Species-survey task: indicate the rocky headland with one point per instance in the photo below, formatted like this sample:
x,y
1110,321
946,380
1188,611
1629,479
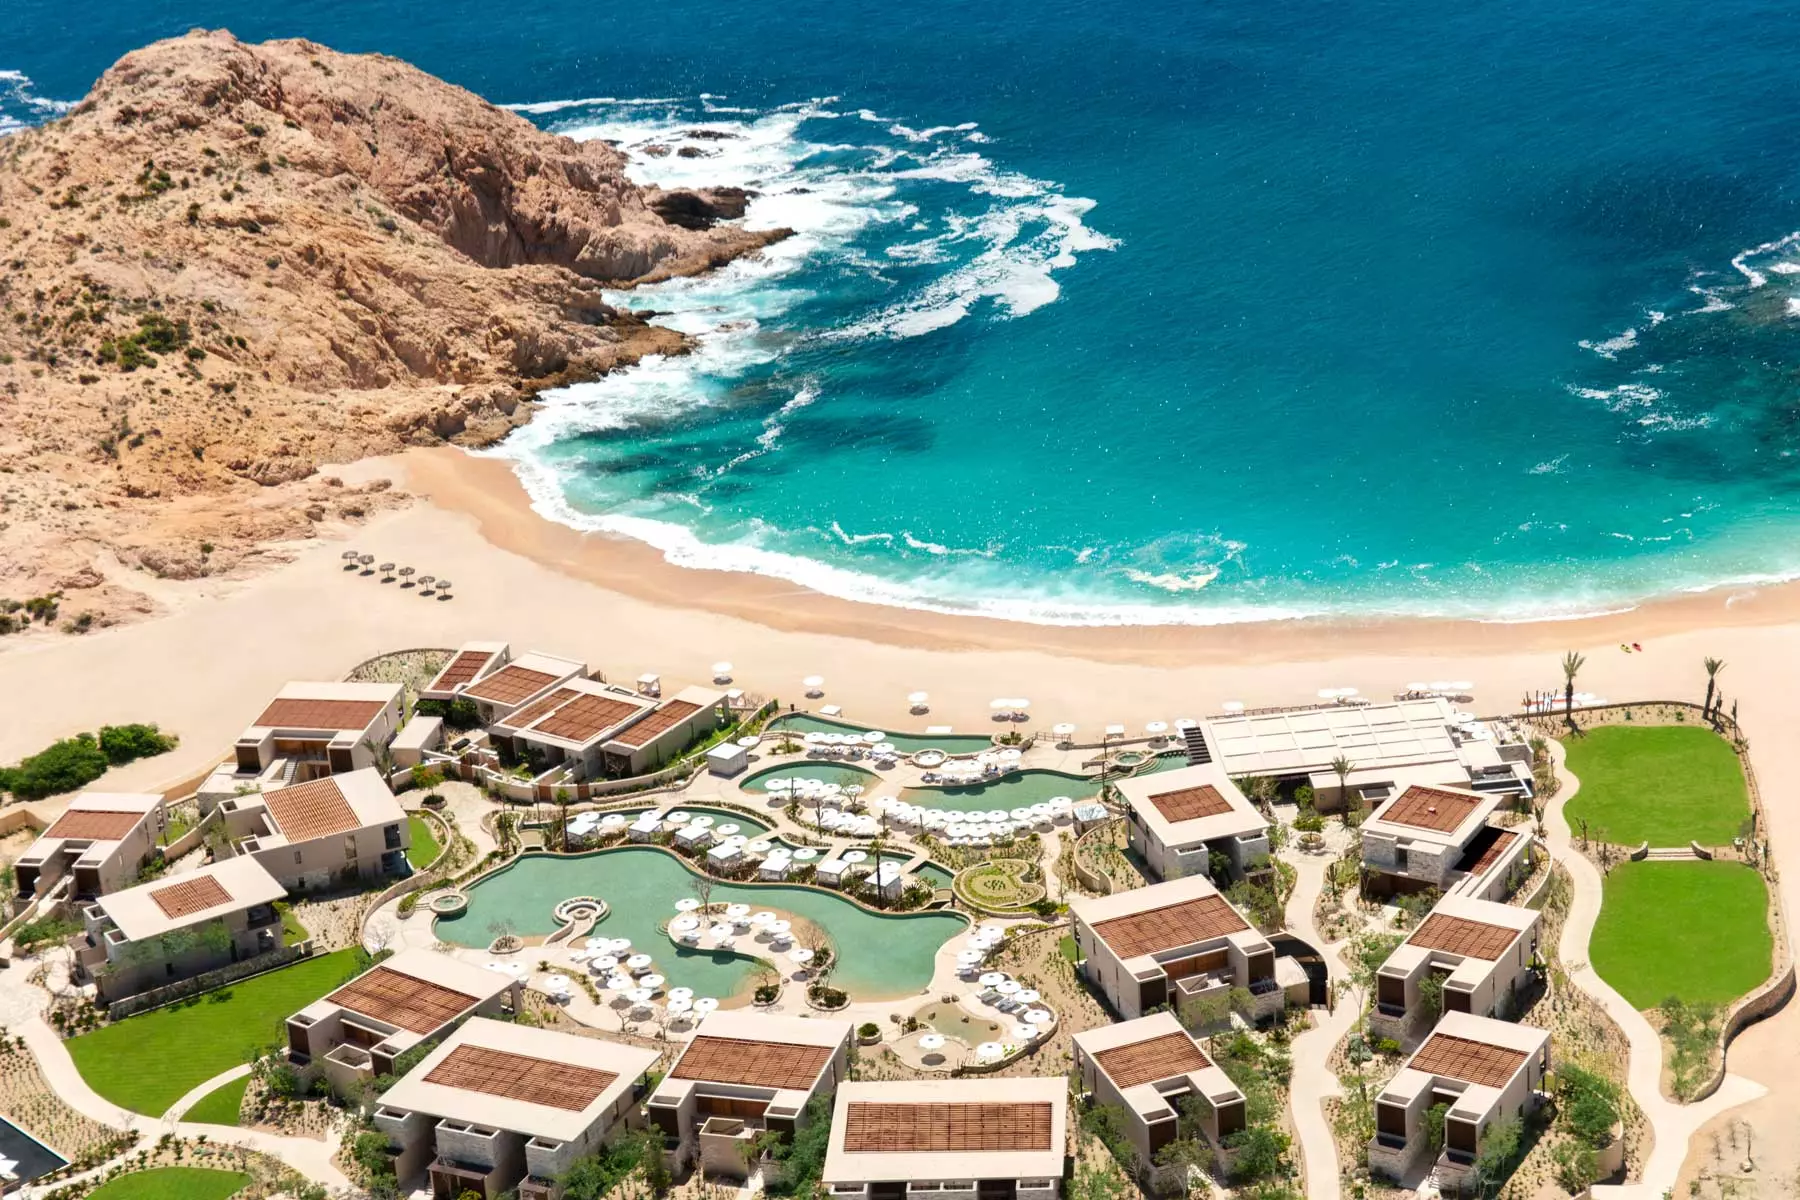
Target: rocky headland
x,y
231,263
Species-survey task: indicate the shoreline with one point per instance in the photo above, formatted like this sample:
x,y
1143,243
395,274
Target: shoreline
x,y
487,491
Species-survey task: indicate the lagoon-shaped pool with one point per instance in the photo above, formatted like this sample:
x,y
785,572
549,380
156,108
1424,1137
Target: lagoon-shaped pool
x,y
906,743
824,772
880,956
1017,790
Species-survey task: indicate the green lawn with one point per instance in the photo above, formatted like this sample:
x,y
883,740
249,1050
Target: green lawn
x,y
146,1063
1697,930
173,1183
1665,784
220,1106
424,849
292,931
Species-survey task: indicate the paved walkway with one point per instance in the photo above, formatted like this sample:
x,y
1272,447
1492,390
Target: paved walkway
x,y
1673,1125
1313,1081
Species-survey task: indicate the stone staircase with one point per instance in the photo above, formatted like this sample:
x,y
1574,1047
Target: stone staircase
x,y
1198,752
1671,854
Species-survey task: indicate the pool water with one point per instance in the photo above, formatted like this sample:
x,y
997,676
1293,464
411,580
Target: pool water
x,y
750,827
906,743
1017,790
951,1021
935,875
880,956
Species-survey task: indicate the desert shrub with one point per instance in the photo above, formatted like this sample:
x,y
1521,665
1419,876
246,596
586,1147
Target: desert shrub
x,y
123,743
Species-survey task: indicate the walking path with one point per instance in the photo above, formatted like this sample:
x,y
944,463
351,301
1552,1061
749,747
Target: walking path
x,y
1673,1125
1313,1081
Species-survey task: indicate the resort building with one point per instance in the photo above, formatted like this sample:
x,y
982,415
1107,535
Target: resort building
x,y
742,1074
1156,1072
1421,741
174,928
511,686
500,1107
961,1139
1172,943
601,731
417,996
1481,1070
472,661
313,835
1178,821
308,731
99,843
1438,837
1475,954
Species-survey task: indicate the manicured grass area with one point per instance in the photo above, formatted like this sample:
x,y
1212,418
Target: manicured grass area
x,y
146,1063
424,849
292,930
1665,784
173,1183
1695,930
221,1105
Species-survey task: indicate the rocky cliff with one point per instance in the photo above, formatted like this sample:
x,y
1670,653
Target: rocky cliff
x,y
231,263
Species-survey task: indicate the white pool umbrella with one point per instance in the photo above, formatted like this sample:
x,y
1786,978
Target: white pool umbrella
x,y
990,1050
687,924
686,904
1020,814
721,670
678,818
702,822
801,955
1009,988
726,830
651,982
679,1006
606,962
1028,996
638,962
1021,704
813,682
612,820
1039,1016
763,919
749,741
885,748
618,945
918,699
720,933
780,928
617,983
598,943
1000,704
779,785
639,995
855,856
1233,706
737,910
705,1004
806,855
1156,728
1026,1033
760,846
931,1041
1063,730
681,993
992,979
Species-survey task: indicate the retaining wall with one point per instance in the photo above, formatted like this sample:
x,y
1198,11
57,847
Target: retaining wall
x,y
157,997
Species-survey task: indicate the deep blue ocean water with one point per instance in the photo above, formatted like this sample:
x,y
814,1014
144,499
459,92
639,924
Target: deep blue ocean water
x,y
1165,312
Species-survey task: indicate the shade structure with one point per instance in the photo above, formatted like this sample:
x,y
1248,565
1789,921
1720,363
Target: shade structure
x,y
618,983
721,670
720,933
687,924
705,1004
686,904
855,856
1063,729
1113,731
918,699
779,785
1039,1016
780,928
726,830
618,945
763,920
760,846
969,957
801,954
598,943
1000,704
749,741
884,748
1156,728
990,1050
678,817
681,993
1028,996
679,1007
652,982
606,962
638,962
1021,704
1009,988
612,820
1328,693
805,855
931,1041
702,822
992,979
1026,1033
813,682
734,911
639,995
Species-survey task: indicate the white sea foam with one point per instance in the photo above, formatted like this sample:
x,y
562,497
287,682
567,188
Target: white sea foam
x,y
1741,261
1612,346
21,107
545,107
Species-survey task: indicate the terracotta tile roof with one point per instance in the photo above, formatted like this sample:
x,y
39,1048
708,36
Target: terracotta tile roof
x,y
1487,848
519,1077
509,685
752,1064
1155,1058
1431,808
1459,935
190,896
319,714
1170,926
461,669
1469,1061
658,723
1190,804
413,1004
585,716
311,810
92,823
928,1127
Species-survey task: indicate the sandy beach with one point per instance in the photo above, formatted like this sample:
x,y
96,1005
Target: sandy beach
x,y
206,665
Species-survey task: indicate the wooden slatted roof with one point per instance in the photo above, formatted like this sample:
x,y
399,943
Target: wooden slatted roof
x,y
521,1077
1470,1061
509,685
1459,935
1431,808
190,896
1172,925
311,810
935,1127
413,1004
319,714
92,823
752,1064
1190,804
1162,1057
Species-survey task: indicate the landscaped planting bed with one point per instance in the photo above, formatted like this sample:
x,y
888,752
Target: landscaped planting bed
x,y
173,1183
999,884
1663,784
1697,931
146,1063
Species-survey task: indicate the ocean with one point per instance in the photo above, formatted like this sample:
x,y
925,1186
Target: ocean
x,y
1108,313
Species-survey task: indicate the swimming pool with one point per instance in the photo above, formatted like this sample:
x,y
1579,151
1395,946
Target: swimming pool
x,y
880,956
1017,790
936,876
906,743
824,772
750,827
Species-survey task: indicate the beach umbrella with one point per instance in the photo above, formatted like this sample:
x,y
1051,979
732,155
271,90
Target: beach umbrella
x,y
702,822
1020,814
597,943
407,573
760,847
681,993
855,856
805,855
749,741
1113,731
813,683
801,955
722,672
814,738
679,1007
651,982
1022,704
1026,1033
1039,1016
969,958
425,581
637,962
720,933
678,817
1063,730
780,928
885,748
1463,685
779,785
352,556
443,585
931,1041
687,924
686,904
365,559
992,979
1000,704
726,830
605,962
618,945
1028,996
1010,987
990,1050
918,699
1347,692
705,1004
617,983
1156,728
639,995
759,919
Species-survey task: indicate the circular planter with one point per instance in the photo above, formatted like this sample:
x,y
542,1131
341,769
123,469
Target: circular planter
x,y
873,1039
814,1004
433,802
449,904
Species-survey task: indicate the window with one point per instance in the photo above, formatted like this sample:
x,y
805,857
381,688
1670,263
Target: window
x,y
1400,856
296,858
350,846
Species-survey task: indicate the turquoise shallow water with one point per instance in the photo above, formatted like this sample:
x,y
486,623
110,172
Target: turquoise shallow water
x,y
906,743
1107,312
878,956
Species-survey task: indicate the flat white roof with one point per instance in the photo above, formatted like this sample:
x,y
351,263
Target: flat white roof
x,y
536,1082
948,1130
1191,804
152,909
1305,741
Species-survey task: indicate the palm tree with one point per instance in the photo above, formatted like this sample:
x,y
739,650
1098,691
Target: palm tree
x,y
1713,667
1341,767
876,849
1571,665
